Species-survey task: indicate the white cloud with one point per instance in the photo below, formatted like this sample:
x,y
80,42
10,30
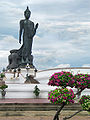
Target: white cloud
x,y
81,26
10,8
10,13
8,38
28,2
7,3
3,58
77,25
86,65
8,42
63,66
3,54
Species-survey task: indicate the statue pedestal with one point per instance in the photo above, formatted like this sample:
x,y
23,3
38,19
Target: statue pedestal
x,y
18,89
12,77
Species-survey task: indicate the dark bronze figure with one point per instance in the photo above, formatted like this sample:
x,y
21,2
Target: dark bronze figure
x,y
28,30
22,56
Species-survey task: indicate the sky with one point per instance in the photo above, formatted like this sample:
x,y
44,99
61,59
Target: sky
x,y
63,35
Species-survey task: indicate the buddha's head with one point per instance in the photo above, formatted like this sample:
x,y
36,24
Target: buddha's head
x,y
27,13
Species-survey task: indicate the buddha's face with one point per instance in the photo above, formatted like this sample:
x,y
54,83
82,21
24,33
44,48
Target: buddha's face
x,y
27,15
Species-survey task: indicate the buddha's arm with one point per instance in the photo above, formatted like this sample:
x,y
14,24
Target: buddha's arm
x,y
36,26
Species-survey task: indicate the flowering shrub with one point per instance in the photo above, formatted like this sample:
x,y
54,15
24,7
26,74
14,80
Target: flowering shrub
x,y
85,102
59,96
88,81
82,81
65,96
62,78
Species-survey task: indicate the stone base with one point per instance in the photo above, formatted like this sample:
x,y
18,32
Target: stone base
x,y
18,89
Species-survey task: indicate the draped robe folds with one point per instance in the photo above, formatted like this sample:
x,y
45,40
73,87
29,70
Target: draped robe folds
x,y
27,27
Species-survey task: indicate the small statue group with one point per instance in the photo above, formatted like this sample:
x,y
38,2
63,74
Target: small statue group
x,y
22,56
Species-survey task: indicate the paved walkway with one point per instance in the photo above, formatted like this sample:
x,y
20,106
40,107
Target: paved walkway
x,y
40,115
24,100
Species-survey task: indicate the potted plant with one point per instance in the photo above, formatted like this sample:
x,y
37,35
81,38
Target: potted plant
x,y
3,92
36,91
2,75
2,82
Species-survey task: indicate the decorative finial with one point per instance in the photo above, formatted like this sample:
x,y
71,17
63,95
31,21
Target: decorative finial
x,y
27,7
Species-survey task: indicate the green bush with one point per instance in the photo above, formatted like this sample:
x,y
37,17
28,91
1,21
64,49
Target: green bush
x,y
3,87
36,91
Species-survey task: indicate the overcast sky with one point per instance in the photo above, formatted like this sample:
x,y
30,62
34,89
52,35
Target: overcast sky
x,y
63,36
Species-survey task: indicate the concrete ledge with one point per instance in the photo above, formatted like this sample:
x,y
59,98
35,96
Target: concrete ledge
x,y
36,107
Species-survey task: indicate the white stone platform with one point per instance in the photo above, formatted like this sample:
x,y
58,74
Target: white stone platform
x,y
18,89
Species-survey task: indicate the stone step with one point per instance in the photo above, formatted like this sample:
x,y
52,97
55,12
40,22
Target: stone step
x,y
36,107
